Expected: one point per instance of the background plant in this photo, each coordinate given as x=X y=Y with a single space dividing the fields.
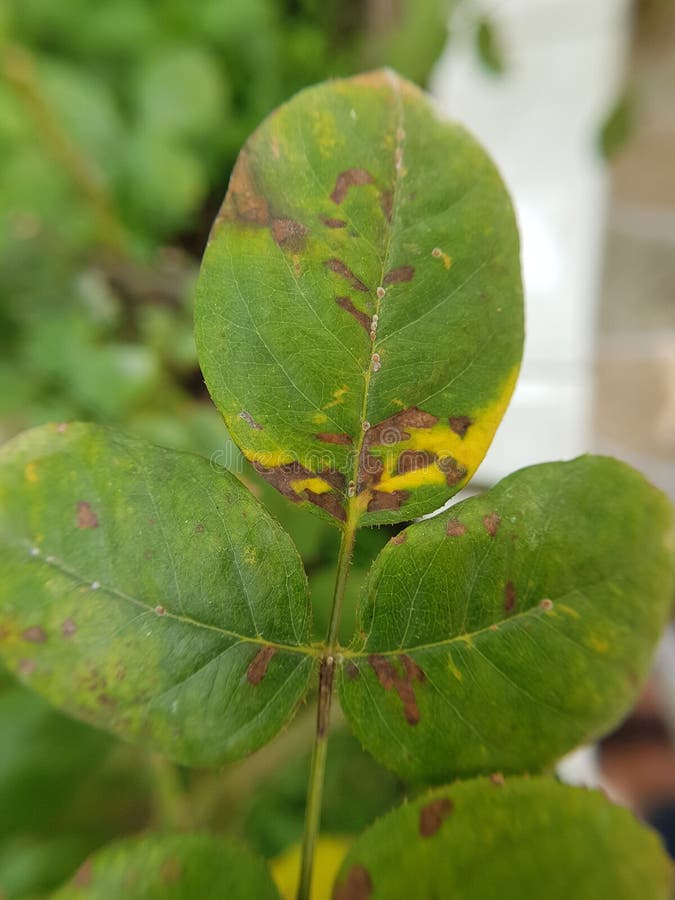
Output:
x=148 y=593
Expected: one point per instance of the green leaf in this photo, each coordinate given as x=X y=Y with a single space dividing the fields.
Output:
x=488 y=47
x=147 y=592
x=514 y=838
x=171 y=867
x=359 y=308
x=516 y=625
x=181 y=93
x=36 y=786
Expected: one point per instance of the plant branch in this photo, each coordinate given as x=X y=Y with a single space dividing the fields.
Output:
x=18 y=67
x=317 y=772
x=170 y=801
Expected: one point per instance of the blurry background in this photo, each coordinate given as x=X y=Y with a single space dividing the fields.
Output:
x=119 y=124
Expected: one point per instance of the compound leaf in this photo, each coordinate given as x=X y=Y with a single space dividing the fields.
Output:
x=171 y=867
x=359 y=308
x=518 y=837
x=147 y=592
x=504 y=632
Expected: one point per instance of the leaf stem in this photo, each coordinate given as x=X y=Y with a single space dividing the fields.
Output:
x=171 y=808
x=317 y=772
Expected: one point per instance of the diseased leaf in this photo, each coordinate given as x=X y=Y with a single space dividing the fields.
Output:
x=511 y=628
x=515 y=838
x=359 y=308
x=147 y=592
x=171 y=867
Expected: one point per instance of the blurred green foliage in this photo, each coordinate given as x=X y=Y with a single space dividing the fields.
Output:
x=119 y=125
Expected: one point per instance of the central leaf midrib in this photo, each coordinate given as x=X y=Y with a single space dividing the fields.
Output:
x=398 y=147
x=53 y=562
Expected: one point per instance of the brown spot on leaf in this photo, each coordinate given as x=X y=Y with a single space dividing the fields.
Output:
x=26 y=667
x=289 y=234
x=337 y=266
x=334 y=223
x=106 y=700
x=348 y=179
x=170 y=871
x=399 y=538
x=250 y=421
x=381 y=500
x=258 y=667
x=327 y=437
x=510 y=597
x=391 y=678
x=492 y=523
x=82 y=878
x=362 y=318
x=411 y=460
x=282 y=478
x=352 y=671
x=402 y=273
x=358 y=885
x=455 y=528
x=460 y=424
x=546 y=604
x=199 y=528
x=433 y=815
x=390 y=431
x=86 y=517
x=69 y=628
x=387 y=204
x=330 y=503
x=454 y=471
x=243 y=200
x=497 y=779
x=34 y=635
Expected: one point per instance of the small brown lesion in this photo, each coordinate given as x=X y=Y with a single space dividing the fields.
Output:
x=69 y=628
x=352 y=671
x=454 y=471
x=339 y=267
x=333 y=223
x=433 y=815
x=362 y=318
x=250 y=421
x=282 y=478
x=327 y=437
x=510 y=597
x=257 y=668
x=85 y=515
x=388 y=432
x=354 y=177
x=82 y=878
x=34 y=635
x=460 y=425
x=358 y=885
x=455 y=528
x=289 y=234
x=401 y=274
x=243 y=200
x=400 y=680
x=491 y=523
x=387 y=204
x=399 y=538
x=387 y=500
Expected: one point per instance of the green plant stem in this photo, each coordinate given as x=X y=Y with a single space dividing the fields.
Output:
x=317 y=771
x=20 y=71
x=171 y=809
